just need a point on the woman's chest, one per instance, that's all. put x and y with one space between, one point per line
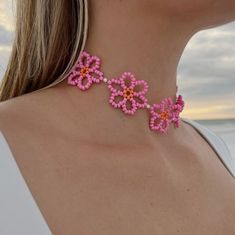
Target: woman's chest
125 193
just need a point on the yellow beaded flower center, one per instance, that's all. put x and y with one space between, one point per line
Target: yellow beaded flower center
164 115
128 93
84 71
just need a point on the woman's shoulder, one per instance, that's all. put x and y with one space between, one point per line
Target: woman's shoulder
23 117
14 114
216 142
28 100
19 112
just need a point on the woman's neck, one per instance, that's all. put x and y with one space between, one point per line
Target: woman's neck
149 46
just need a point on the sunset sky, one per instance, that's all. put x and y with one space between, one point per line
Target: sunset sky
206 73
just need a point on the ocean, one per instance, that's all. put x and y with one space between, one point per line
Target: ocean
225 128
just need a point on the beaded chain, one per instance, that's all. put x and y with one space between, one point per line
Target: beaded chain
127 93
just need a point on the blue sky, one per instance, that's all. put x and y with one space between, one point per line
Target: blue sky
206 73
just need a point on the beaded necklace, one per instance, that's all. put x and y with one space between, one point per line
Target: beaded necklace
127 93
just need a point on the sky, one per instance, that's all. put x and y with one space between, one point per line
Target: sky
206 72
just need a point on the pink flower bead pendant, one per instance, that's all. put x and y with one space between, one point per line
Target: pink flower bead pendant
128 93
86 72
164 113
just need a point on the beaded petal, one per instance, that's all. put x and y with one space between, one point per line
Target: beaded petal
177 109
161 115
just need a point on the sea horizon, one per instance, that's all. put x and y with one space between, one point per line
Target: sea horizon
223 127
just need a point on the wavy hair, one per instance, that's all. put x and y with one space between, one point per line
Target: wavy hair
49 37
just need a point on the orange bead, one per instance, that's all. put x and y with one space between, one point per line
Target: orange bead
164 115
84 71
128 93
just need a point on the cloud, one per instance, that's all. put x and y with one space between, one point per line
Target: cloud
6 32
7 13
206 73
4 57
5 36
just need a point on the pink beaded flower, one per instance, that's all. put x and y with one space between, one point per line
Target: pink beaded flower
128 93
164 113
86 72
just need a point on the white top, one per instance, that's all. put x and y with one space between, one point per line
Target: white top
19 213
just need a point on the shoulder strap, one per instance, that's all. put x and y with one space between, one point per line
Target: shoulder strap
217 143
19 213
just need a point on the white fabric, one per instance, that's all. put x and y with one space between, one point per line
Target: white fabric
217 144
19 213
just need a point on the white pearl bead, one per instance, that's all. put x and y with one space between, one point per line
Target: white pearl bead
148 106
105 79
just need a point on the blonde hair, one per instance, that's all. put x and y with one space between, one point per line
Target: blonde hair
48 40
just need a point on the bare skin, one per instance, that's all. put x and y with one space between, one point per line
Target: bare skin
94 170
